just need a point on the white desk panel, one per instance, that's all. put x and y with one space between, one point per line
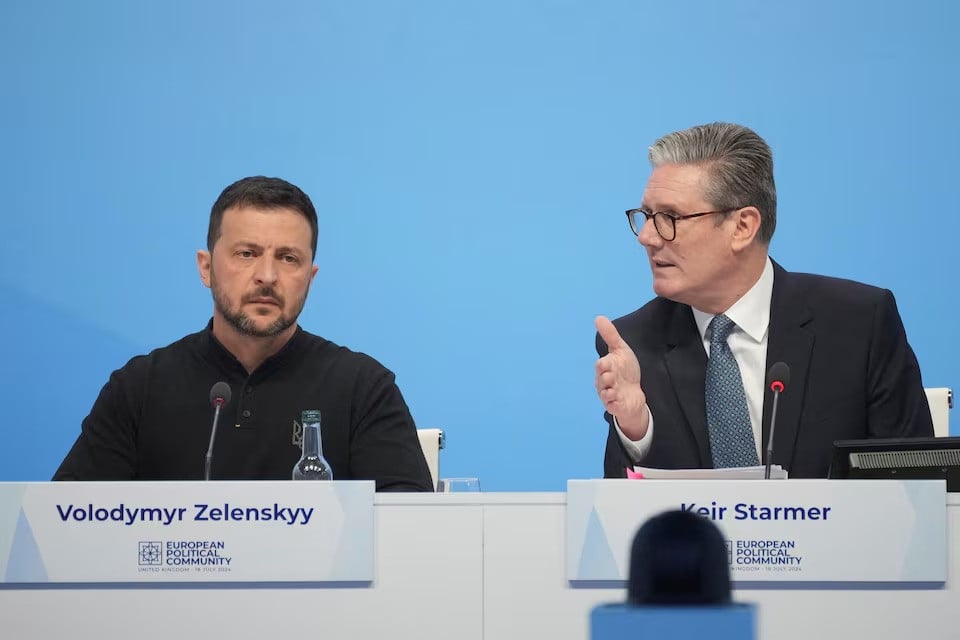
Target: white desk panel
467 566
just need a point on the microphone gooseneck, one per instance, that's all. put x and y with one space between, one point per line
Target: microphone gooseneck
778 377
219 397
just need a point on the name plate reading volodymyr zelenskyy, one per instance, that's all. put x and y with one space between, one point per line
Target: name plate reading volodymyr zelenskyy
147 532
810 531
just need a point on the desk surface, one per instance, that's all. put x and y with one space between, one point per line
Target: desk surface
470 566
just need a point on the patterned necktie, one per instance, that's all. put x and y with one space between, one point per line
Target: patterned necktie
728 421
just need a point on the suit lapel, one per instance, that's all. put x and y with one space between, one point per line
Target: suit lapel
686 363
791 341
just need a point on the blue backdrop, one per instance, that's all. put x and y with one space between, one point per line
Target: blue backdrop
470 162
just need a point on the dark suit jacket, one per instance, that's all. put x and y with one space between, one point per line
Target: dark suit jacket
852 375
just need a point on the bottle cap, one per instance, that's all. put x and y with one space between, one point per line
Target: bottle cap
310 415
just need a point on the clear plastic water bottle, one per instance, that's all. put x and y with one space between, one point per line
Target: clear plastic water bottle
312 465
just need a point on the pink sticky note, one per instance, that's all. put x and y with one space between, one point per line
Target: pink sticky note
634 475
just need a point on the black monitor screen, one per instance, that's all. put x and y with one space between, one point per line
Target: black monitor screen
898 459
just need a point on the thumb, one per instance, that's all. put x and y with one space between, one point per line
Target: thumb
610 334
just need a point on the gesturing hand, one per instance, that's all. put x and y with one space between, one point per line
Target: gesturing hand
618 382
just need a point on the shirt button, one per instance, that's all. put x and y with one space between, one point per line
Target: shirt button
246 413
249 389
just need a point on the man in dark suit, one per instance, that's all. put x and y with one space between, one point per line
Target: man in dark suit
725 312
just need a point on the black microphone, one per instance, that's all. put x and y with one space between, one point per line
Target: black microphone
219 398
777 379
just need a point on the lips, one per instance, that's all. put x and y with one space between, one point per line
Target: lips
263 301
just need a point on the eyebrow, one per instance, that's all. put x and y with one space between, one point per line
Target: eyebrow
667 210
283 249
246 243
294 250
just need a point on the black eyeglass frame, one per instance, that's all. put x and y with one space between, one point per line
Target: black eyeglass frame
661 215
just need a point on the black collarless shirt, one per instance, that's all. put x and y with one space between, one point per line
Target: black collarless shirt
152 419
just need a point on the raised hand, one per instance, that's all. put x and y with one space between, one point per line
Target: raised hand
618 382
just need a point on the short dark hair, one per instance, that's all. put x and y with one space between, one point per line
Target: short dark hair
679 557
261 192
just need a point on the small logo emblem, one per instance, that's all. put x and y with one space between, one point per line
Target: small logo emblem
297 434
151 554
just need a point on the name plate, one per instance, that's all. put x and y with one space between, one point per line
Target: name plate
75 533
848 531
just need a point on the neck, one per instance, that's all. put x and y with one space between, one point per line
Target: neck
738 284
251 351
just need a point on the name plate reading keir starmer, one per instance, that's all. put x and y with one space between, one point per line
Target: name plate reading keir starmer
81 533
800 531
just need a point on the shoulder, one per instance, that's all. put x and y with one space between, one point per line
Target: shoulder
321 353
173 354
160 367
826 292
652 321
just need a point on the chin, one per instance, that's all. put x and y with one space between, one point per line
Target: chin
663 289
265 323
670 293
265 314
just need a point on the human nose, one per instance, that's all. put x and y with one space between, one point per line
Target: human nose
266 271
649 236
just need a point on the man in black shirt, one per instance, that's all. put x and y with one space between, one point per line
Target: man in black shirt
152 418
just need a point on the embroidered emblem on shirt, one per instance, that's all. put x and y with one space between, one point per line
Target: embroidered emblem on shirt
297 434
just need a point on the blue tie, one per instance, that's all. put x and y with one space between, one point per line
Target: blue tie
728 421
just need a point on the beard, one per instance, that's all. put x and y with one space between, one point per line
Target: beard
243 323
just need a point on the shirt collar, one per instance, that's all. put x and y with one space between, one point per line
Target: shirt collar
221 355
751 312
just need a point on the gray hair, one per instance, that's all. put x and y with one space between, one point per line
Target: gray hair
739 167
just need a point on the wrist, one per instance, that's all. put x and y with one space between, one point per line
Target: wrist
634 424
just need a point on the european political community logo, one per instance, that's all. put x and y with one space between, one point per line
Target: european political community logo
151 554
182 555
764 555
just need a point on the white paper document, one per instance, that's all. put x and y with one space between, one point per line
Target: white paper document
731 473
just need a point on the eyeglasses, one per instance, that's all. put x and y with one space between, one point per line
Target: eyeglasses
665 223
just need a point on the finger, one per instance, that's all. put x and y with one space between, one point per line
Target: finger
604 379
607 380
608 397
604 364
610 334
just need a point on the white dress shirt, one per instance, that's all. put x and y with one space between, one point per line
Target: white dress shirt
748 342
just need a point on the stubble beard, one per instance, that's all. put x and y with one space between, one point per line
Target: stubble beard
243 323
